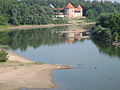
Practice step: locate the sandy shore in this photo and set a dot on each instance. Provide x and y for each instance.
(24, 27)
(19, 72)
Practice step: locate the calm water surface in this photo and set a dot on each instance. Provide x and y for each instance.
(97, 65)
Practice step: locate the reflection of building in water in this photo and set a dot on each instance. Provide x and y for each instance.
(78, 36)
(73, 35)
(69, 40)
(70, 36)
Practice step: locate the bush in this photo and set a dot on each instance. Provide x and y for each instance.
(3, 56)
(107, 28)
(60, 21)
(3, 20)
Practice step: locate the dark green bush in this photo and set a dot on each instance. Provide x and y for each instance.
(3, 20)
(3, 56)
(107, 28)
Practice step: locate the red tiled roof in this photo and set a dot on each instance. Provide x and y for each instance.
(69, 5)
(70, 40)
(79, 7)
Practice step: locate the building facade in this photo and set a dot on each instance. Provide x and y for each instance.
(69, 11)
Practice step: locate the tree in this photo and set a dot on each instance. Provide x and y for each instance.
(21, 12)
(115, 36)
(3, 56)
(107, 28)
(3, 20)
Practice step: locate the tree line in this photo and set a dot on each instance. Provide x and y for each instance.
(21, 12)
(107, 28)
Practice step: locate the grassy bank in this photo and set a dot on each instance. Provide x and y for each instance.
(2, 26)
(25, 27)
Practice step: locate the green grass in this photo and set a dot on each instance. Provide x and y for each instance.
(6, 26)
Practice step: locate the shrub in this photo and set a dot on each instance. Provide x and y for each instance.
(60, 21)
(3, 56)
(3, 20)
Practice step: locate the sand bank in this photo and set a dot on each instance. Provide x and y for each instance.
(19, 73)
(24, 27)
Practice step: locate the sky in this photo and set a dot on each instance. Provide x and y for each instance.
(112, 0)
(115, 0)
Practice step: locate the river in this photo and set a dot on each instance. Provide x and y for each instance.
(96, 65)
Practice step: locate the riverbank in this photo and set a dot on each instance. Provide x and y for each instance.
(24, 27)
(19, 72)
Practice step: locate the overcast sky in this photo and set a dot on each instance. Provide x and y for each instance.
(112, 0)
(115, 0)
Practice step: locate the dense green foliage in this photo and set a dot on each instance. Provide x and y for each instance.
(94, 9)
(107, 28)
(20, 12)
(90, 9)
(3, 20)
(3, 56)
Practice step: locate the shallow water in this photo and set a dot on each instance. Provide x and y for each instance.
(97, 65)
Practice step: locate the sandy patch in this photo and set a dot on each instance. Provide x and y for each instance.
(24, 27)
(27, 76)
(19, 73)
(14, 57)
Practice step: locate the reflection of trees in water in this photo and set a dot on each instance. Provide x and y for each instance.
(75, 27)
(21, 39)
(107, 49)
(88, 27)
(35, 38)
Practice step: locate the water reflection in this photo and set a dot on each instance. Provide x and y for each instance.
(93, 71)
(73, 35)
(107, 49)
(37, 37)
(52, 36)
(30, 38)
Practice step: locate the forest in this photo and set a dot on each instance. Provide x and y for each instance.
(22, 12)
(107, 28)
